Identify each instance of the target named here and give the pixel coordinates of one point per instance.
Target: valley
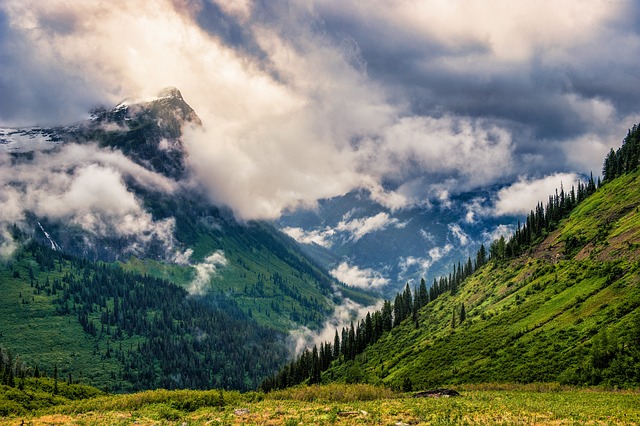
(285, 213)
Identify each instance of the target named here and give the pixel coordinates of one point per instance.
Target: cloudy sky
(305, 100)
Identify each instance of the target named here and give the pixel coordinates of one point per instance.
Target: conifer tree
(481, 258)
(423, 295)
(453, 318)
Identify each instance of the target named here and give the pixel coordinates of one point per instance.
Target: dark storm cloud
(37, 88)
(217, 22)
(530, 92)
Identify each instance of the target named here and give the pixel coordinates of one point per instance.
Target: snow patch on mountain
(54, 245)
(28, 139)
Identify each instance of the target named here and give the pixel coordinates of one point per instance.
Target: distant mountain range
(365, 244)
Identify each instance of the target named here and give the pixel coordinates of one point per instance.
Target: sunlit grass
(506, 404)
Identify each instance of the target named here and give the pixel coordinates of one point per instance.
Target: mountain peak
(171, 93)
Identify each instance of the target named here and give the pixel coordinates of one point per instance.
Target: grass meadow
(537, 404)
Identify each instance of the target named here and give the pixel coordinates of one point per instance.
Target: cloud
(476, 209)
(306, 101)
(85, 186)
(520, 197)
(358, 228)
(322, 237)
(356, 277)
(427, 236)
(347, 229)
(475, 152)
(205, 271)
(460, 235)
(423, 264)
(7, 244)
(341, 317)
(512, 35)
(393, 200)
(499, 231)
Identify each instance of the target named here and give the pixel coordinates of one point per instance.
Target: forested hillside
(557, 301)
(122, 331)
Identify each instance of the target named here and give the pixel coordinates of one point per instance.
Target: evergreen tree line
(184, 341)
(309, 365)
(542, 220)
(545, 218)
(353, 340)
(625, 159)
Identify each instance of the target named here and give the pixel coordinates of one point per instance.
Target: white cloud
(499, 231)
(356, 277)
(522, 196)
(84, 186)
(321, 129)
(427, 236)
(513, 31)
(304, 120)
(353, 228)
(438, 253)
(424, 263)
(476, 208)
(393, 200)
(358, 228)
(457, 232)
(477, 151)
(586, 152)
(7, 245)
(205, 271)
(322, 237)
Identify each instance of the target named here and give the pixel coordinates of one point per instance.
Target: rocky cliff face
(148, 132)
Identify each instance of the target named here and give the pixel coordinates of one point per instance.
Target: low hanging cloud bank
(205, 271)
(302, 102)
(341, 317)
(83, 185)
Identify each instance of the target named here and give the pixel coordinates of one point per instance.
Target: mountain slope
(122, 331)
(120, 188)
(119, 271)
(568, 310)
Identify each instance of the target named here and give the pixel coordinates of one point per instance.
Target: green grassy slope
(568, 310)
